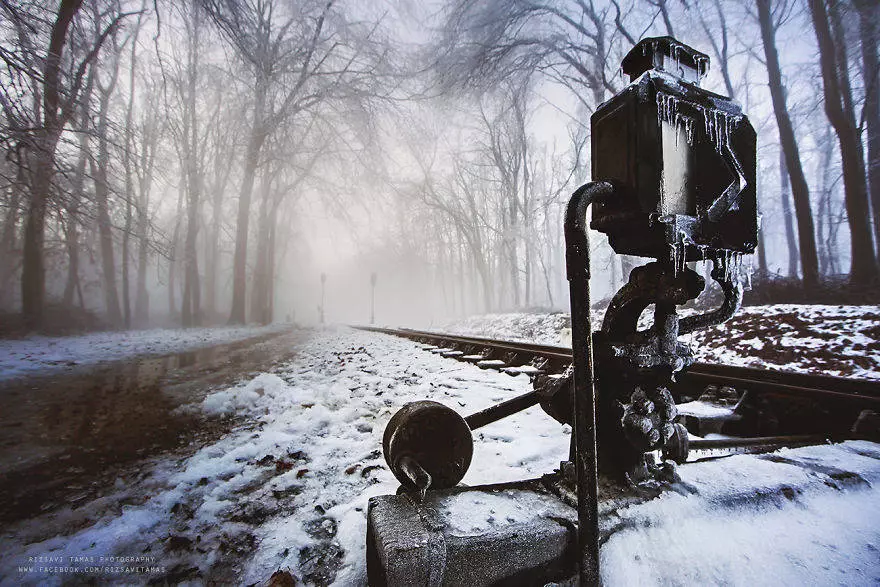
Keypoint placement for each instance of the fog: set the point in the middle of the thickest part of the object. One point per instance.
(201, 163)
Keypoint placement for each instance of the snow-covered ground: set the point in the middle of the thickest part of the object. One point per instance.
(542, 328)
(45, 354)
(289, 490)
(832, 340)
(795, 518)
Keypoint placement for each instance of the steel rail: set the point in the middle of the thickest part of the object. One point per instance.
(821, 387)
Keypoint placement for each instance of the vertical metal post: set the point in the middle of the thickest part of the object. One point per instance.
(577, 262)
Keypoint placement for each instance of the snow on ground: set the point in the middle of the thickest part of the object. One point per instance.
(44, 354)
(833, 340)
(542, 328)
(290, 491)
(757, 521)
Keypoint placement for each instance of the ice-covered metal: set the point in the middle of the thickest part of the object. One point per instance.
(427, 446)
(682, 159)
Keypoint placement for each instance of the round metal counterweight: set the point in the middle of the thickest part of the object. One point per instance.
(434, 437)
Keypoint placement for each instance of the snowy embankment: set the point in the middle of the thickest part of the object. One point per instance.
(289, 491)
(832, 340)
(44, 354)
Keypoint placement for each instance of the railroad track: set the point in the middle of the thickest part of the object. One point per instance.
(803, 408)
(554, 359)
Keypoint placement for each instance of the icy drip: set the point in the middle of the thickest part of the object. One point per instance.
(667, 107)
(686, 122)
(679, 261)
(702, 63)
(667, 111)
(718, 126)
(750, 268)
(731, 265)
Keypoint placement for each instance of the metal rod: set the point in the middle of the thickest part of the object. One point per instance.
(757, 443)
(577, 263)
(502, 410)
(773, 387)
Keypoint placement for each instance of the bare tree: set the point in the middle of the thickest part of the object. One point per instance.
(869, 23)
(144, 151)
(264, 44)
(100, 166)
(788, 221)
(841, 113)
(800, 191)
(55, 85)
(76, 197)
(192, 148)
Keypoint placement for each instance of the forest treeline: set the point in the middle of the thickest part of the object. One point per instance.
(167, 158)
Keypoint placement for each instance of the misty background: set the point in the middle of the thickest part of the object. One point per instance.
(207, 162)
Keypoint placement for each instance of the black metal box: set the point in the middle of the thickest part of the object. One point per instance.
(683, 158)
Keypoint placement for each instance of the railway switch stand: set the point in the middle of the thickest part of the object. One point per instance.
(673, 169)
(681, 162)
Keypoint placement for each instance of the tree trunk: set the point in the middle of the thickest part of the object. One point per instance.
(252, 157)
(270, 269)
(145, 181)
(142, 296)
(799, 190)
(191, 309)
(9, 237)
(791, 241)
(100, 169)
(212, 256)
(259, 298)
(33, 271)
(838, 107)
(762, 256)
(192, 157)
(869, 21)
(172, 257)
(33, 275)
(129, 179)
(828, 251)
(77, 188)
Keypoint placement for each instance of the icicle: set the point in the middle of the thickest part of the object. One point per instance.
(749, 269)
(710, 127)
(683, 252)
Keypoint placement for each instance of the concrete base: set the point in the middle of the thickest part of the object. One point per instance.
(524, 534)
(515, 533)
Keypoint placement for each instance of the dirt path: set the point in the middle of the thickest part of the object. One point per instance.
(65, 440)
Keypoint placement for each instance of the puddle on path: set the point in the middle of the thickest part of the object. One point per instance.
(63, 438)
